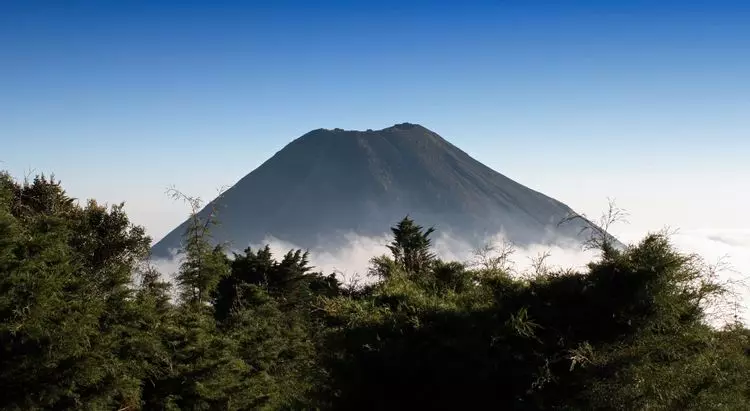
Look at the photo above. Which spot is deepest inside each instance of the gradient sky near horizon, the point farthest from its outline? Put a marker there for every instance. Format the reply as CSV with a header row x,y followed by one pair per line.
x,y
647,102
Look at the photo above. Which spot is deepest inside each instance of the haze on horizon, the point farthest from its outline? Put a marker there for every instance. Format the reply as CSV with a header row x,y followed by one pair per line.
x,y
646,103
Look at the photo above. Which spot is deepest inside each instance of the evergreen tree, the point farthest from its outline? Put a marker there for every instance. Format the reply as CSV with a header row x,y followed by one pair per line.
x,y
411,245
203,265
68,323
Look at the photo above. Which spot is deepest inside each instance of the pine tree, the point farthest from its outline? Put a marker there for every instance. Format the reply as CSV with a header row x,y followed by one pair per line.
x,y
68,323
203,265
411,245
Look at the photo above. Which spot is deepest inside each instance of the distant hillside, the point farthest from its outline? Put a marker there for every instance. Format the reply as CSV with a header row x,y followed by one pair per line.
x,y
330,182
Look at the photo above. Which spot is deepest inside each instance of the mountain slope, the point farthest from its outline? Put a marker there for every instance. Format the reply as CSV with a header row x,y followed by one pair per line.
x,y
330,182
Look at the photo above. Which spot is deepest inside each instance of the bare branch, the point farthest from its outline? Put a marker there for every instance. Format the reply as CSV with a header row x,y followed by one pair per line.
x,y
599,236
195,204
539,263
495,258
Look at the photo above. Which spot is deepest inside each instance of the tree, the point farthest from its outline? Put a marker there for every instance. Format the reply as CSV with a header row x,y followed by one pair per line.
x,y
290,281
69,326
203,266
411,245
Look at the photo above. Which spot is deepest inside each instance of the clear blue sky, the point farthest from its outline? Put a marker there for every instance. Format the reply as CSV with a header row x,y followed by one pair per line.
x,y
645,101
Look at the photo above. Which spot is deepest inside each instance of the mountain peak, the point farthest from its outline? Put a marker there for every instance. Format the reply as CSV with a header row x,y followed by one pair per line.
x,y
406,126
400,126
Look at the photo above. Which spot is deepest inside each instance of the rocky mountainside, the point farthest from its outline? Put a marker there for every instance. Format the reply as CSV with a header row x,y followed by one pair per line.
x,y
330,182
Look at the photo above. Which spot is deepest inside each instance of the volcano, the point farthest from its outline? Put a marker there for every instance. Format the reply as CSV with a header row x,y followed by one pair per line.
x,y
330,183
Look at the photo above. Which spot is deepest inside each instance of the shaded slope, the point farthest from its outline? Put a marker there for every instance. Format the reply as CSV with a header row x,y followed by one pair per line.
x,y
332,181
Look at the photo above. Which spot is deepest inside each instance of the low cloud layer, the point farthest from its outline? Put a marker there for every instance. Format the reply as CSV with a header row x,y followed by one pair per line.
x,y
730,248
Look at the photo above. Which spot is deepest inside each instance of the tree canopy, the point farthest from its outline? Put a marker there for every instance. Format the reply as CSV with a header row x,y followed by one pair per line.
x,y
87,323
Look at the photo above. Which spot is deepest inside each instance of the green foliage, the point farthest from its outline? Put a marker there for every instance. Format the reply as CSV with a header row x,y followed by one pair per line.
x,y
203,370
203,266
266,306
66,309
626,334
86,323
697,369
411,245
290,281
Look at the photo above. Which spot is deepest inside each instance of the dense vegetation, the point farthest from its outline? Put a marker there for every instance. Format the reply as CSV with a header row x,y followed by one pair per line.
x,y
86,323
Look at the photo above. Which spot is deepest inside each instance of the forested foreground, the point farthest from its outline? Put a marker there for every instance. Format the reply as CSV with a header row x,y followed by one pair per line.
x,y
85,323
